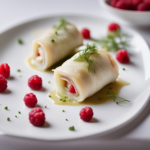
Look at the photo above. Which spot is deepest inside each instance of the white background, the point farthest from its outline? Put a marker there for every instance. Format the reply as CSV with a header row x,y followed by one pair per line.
x,y
135,135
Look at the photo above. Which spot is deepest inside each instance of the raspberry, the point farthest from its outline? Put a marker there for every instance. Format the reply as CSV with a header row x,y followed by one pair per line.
x,y
4,70
147,2
30,100
3,84
121,5
86,33
86,114
113,3
37,117
35,82
113,27
142,7
135,3
122,56
71,89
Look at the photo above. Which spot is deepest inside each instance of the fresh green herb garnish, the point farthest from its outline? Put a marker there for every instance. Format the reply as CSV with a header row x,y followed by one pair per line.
x,y
6,107
52,40
45,106
63,98
63,110
19,112
16,116
56,32
20,41
114,96
20,75
110,88
66,119
99,99
8,119
85,54
123,69
114,42
72,128
62,24
19,70
49,82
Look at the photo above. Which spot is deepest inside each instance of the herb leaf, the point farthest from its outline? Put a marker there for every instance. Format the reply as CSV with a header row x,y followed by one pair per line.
x,y
63,98
85,54
114,96
72,128
62,24
114,42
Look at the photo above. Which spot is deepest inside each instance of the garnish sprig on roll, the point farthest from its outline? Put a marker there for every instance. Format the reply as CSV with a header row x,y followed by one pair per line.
x,y
62,24
114,42
85,55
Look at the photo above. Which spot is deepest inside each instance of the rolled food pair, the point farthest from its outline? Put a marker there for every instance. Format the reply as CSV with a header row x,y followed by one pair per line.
x,y
82,75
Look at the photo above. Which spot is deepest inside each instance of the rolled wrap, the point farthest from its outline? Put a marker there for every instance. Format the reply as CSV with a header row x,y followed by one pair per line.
x,y
46,53
85,83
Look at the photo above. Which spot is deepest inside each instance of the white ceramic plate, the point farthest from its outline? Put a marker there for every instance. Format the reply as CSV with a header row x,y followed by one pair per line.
x,y
109,116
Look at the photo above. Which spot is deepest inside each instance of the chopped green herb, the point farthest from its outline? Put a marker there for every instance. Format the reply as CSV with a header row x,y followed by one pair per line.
x,y
99,99
19,70
110,88
49,96
8,119
20,41
49,82
85,54
115,42
19,112
52,40
6,107
45,106
63,110
123,69
20,75
66,119
16,116
56,32
114,96
63,98
72,128
62,24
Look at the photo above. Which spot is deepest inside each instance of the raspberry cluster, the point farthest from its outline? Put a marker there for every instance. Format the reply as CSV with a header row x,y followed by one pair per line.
x,y
139,5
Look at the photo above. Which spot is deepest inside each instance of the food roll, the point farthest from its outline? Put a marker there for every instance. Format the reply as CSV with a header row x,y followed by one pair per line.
x,y
76,81
55,45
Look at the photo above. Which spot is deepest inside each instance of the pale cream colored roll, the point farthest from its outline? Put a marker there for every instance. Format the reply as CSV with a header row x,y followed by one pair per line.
x,y
55,45
84,82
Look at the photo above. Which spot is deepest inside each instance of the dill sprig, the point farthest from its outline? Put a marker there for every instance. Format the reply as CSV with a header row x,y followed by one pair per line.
x,y
63,98
62,24
85,55
115,42
114,96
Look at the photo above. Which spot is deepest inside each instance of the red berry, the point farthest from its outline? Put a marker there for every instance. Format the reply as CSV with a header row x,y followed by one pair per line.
x,y
86,114
30,100
72,89
135,3
113,27
121,5
3,84
142,7
37,117
35,82
113,3
86,33
4,70
147,2
122,56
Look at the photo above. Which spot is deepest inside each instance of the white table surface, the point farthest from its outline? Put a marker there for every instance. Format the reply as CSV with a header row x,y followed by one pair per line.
x,y
135,135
